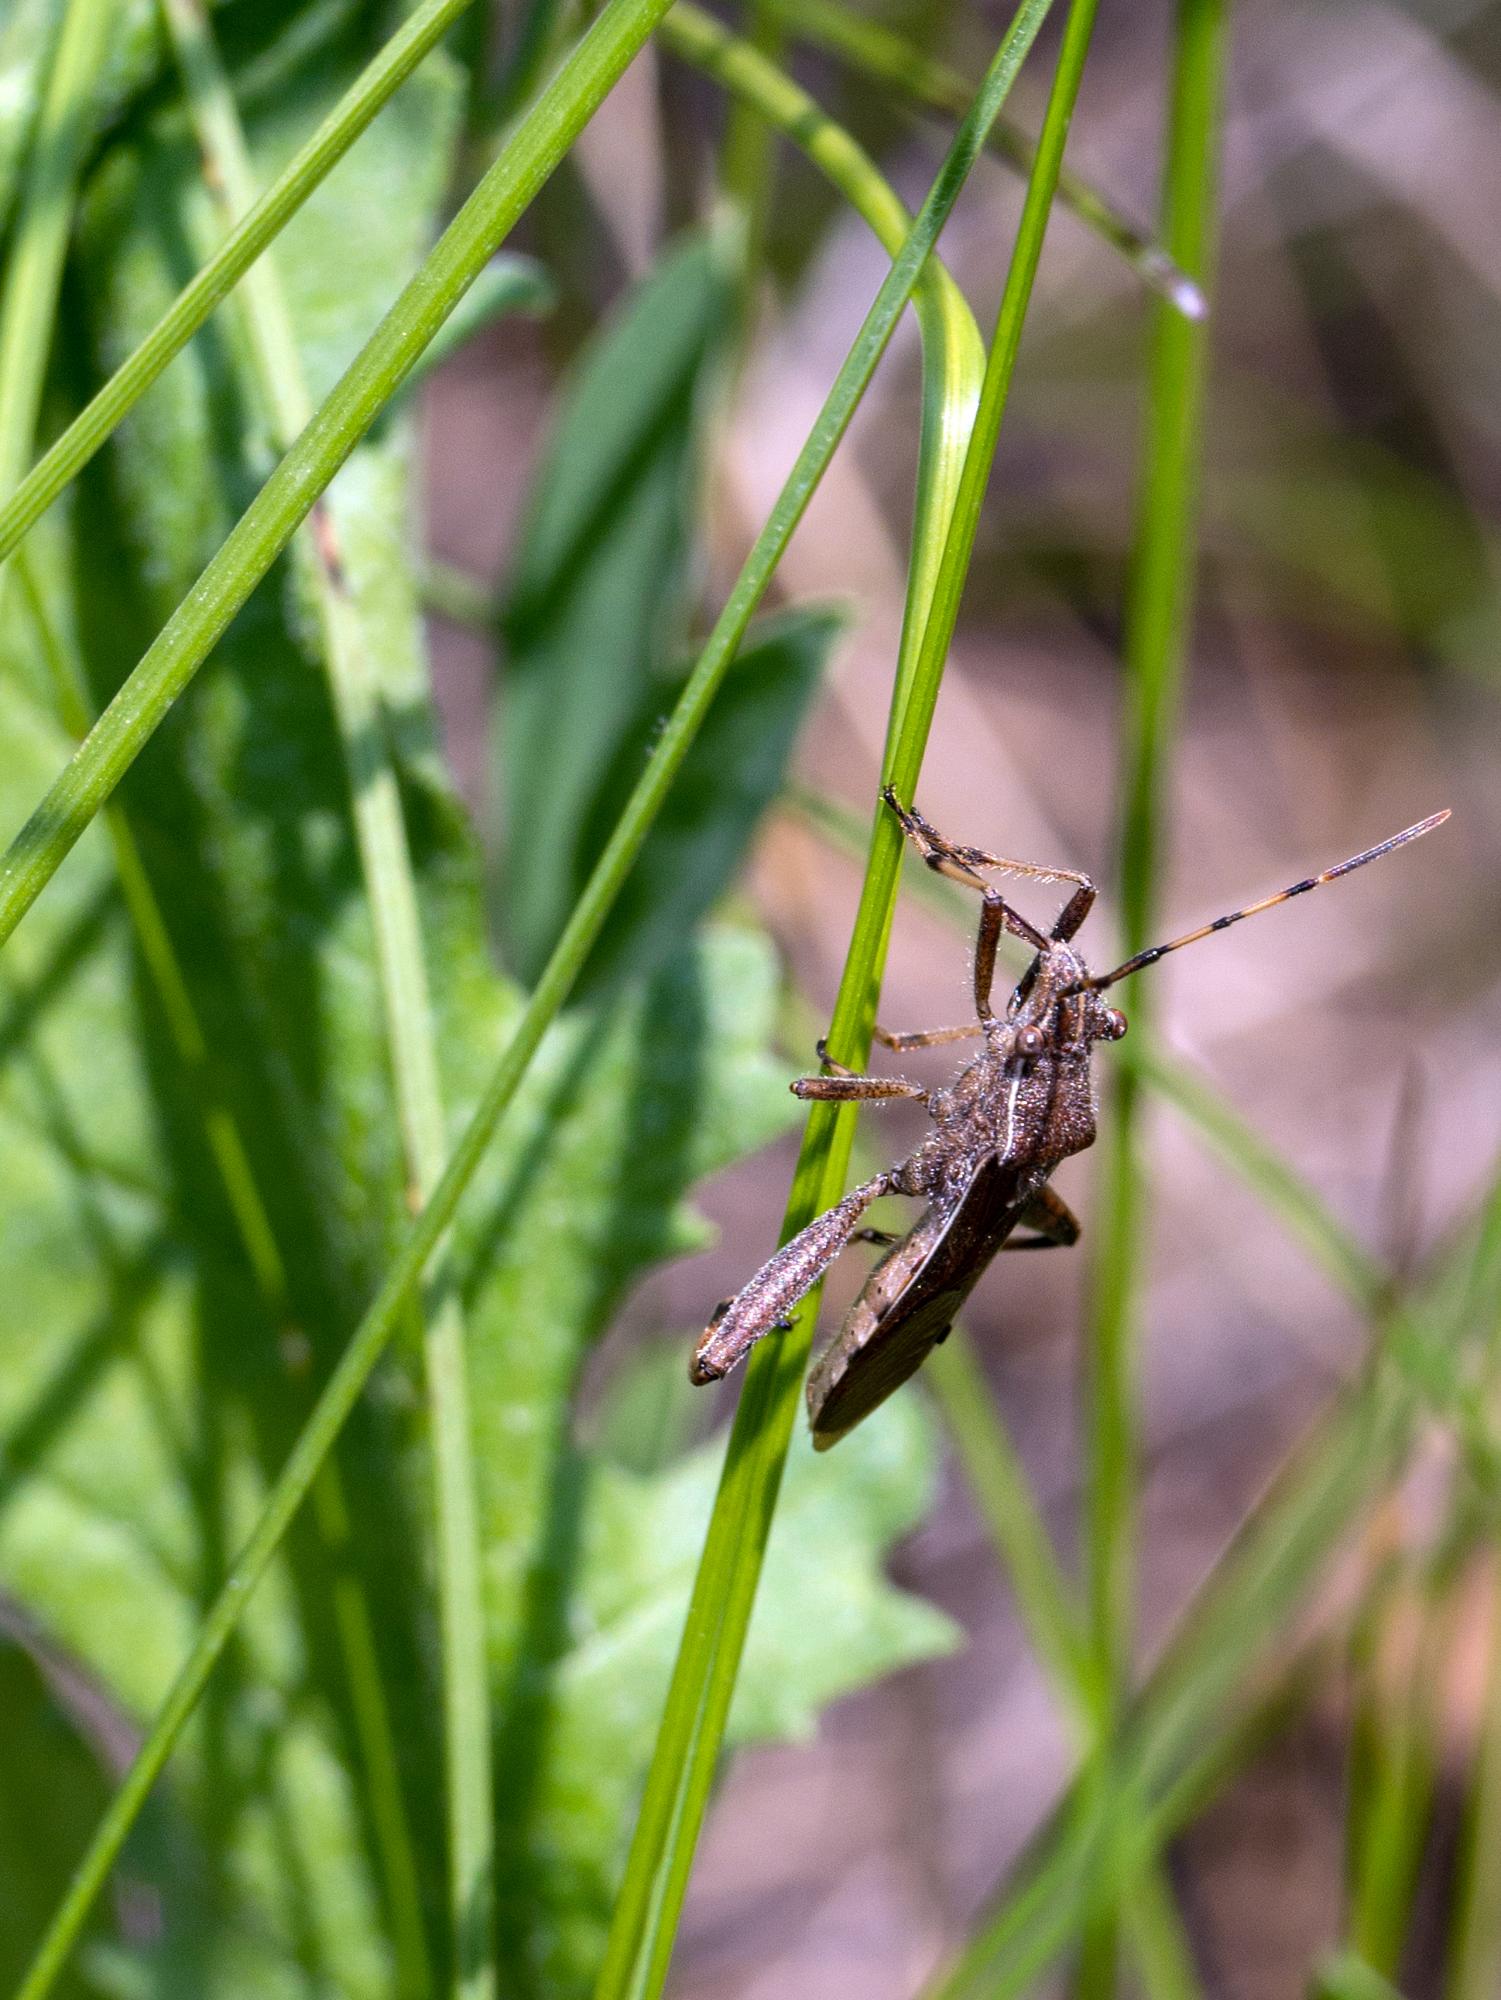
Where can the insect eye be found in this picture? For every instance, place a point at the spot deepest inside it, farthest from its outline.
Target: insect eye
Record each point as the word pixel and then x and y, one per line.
pixel 1029 1041
pixel 1115 1025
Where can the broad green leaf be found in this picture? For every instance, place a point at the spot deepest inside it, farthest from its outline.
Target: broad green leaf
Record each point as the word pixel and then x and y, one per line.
pixel 732 773
pixel 596 607
pixel 583 1719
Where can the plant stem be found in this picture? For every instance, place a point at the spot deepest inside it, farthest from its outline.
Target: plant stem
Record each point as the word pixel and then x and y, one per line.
pixel 279 382
pixel 1475 1941
pixel 1102 1832
pixel 308 167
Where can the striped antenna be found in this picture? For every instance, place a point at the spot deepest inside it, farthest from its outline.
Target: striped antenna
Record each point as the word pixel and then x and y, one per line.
pixel 1268 902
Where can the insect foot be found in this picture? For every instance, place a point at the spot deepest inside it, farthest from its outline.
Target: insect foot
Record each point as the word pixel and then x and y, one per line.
pixel 1010 1116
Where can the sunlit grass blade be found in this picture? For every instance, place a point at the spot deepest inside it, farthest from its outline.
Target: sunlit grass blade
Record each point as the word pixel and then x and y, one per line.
pixel 276 380
pixel 878 50
pixel 693 1723
pixel 540 140
pixel 580 83
pixel 34 252
pixel 311 164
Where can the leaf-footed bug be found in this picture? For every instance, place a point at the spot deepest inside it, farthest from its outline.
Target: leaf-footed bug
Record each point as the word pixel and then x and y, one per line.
pixel 1002 1125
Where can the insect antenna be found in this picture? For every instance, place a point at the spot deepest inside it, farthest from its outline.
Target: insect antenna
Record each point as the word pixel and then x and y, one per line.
pixel 1156 951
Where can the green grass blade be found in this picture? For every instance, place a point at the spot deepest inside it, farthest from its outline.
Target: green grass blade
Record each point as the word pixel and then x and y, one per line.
pixel 276 378
pixel 884 53
pixel 34 259
pixel 580 83
pixel 1392 1810
pixel 1475 1939
pixel 311 164
pixel 1155 642
pixel 698 1703
pixel 289 495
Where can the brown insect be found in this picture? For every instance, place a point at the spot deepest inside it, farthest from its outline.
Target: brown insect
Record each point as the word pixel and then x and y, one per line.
pixel 1000 1128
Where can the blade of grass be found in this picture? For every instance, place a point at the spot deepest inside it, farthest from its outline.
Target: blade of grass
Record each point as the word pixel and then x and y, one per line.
pixel 953 351
pixel 1391 1814
pixel 231 1156
pixel 313 161
pixel 1158 617
pixel 609 44
pixel 1475 1935
pixel 882 52
pixel 541 138
pixel 278 382
pixel 34 259
pixel 693 1721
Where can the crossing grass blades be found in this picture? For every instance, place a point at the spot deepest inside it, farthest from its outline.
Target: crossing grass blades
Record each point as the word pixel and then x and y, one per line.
pixel 1024 1104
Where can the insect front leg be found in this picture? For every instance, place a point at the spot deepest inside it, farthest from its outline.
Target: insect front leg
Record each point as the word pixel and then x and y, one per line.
pixel 770 1296
pixel 964 864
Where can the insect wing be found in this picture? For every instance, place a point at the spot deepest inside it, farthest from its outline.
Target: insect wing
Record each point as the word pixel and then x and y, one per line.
pixel 909 1302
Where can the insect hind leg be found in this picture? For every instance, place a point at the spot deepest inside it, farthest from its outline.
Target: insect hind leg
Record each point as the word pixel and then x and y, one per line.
pixel 768 1300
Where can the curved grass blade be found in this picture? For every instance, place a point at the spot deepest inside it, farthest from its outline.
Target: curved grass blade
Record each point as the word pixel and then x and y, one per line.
pixel 580 83
pixel 883 52
pixel 34 259
pixel 291 188
pixel 693 1723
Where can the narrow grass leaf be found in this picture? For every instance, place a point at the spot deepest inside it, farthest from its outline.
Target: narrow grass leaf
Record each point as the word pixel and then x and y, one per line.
pixel 181 319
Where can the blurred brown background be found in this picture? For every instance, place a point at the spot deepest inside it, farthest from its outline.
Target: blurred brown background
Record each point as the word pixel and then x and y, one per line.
pixel 1341 684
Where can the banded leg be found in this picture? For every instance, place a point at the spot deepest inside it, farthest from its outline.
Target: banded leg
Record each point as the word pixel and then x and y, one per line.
pixel 765 1302
pixel 926 1038
pixel 963 864
pixel 845 1087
